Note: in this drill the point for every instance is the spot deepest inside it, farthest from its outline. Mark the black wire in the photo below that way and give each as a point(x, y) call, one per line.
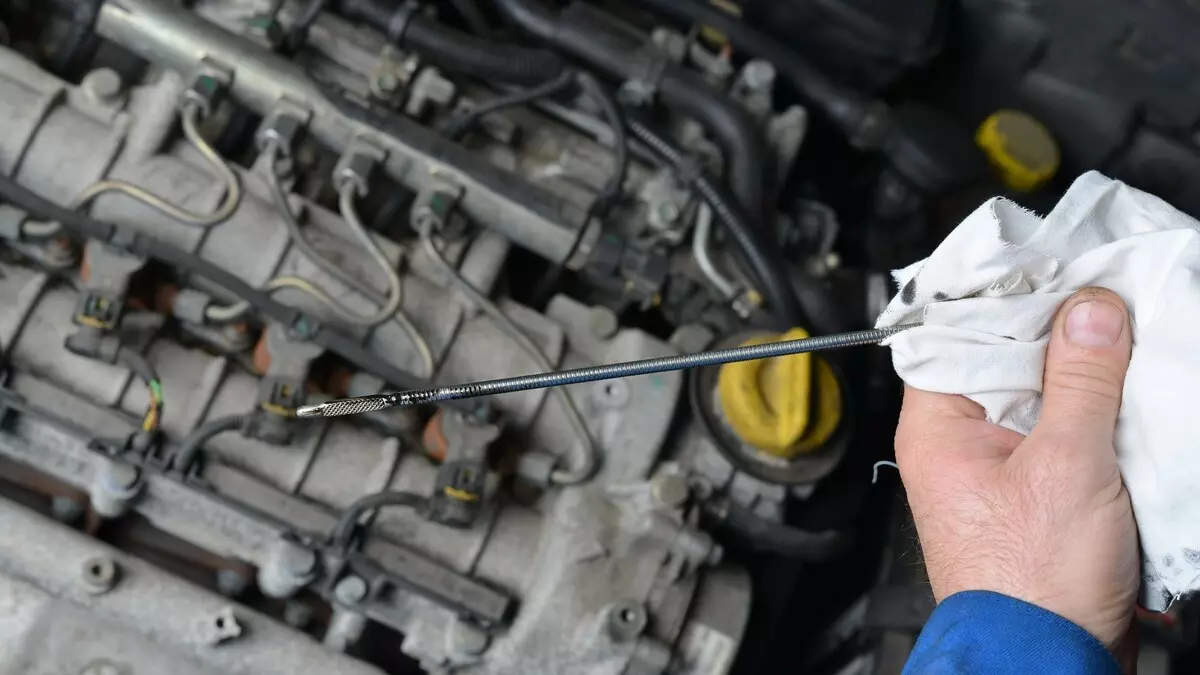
point(134, 361)
point(461, 123)
point(343, 530)
point(189, 449)
point(131, 359)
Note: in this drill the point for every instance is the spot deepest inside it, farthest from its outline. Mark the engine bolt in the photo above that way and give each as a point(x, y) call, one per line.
point(350, 590)
point(99, 574)
point(102, 85)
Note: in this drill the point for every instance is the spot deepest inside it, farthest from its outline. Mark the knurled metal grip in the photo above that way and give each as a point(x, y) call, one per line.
point(355, 406)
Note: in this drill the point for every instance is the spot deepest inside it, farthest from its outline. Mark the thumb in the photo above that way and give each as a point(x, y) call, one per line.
point(1085, 368)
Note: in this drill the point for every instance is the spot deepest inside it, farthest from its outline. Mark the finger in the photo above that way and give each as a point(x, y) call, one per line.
point(1086, 363)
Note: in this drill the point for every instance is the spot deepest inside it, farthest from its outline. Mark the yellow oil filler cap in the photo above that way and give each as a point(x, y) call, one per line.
point(786, 406)
point(1020, 147)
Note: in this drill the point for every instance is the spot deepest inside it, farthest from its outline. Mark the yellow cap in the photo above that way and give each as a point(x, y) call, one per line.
point(1020, 147)
point(785, 406)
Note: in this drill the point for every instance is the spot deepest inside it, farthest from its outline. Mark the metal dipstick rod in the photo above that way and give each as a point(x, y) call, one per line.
point(366, 404)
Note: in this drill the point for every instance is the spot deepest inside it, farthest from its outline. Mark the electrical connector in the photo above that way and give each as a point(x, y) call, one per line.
point(357, 165)
point(284, 127)
point(208, 87)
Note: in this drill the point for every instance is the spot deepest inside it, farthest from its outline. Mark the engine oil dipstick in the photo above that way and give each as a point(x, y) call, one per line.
point(366, 404)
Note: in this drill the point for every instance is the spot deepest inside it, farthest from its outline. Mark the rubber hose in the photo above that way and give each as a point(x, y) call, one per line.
point(757, 256)
point(590, 35)
point(859, 117)
point(344, 529)
point(767, 536)
point(455, 50)
point(190, 448)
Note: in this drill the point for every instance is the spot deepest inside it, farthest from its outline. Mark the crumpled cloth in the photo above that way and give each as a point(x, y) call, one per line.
point(988, 296)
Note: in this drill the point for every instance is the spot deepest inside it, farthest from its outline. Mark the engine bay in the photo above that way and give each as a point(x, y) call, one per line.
point(214, 212)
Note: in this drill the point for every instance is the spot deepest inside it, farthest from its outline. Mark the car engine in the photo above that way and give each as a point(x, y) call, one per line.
point(216, 211)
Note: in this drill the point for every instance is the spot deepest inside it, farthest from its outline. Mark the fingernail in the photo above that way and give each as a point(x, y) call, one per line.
point(1095, 324)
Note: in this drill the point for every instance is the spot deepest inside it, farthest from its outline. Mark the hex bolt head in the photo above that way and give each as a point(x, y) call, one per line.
point(627, 619)
point(671, 490)
point(759, 75)
point(102, 85)
point(98, 574)
point(350, 590)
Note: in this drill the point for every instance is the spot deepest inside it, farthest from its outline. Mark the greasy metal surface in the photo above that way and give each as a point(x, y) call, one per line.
point(565, 559)
point(148, 621)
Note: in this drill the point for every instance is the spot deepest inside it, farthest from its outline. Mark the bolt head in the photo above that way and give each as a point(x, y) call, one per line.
point(759, 74)
point(102, 85)
point(98, 574)
point(350, 590)
point(627, 619)
point(671, 490)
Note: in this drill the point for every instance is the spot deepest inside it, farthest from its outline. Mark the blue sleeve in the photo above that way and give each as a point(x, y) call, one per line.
point(985, 633)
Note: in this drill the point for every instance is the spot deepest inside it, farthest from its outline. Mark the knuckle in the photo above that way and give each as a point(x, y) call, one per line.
point(1087, 381)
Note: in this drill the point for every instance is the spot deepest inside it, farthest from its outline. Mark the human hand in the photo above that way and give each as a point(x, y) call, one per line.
point(1044, 518)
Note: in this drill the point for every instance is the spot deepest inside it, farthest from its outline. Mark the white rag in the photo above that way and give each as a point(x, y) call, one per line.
point(988, 295)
